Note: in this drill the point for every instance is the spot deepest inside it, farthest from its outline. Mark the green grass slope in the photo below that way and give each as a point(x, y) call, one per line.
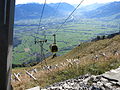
point(92, 57)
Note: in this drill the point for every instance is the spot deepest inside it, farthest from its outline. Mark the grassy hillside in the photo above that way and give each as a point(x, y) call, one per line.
point(91, 57)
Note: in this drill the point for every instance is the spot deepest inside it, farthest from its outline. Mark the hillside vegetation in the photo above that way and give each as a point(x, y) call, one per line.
point(94, 57)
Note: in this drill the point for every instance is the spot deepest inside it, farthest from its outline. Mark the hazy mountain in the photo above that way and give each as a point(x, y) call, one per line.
point(90, 7)
point(62, 7)
point(105, 11)
point(75, 5)
point(82, 10)
point(33, 10)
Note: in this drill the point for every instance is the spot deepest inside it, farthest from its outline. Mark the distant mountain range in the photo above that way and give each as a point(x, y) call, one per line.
point(105, 11)
point(33, 10)
point(90, 7)
point(63, 7)
point(82, 11)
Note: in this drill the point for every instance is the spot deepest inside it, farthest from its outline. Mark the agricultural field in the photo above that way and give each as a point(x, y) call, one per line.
point(70, 35)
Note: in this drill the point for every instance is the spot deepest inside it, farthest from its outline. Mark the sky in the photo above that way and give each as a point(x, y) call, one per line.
point(86, 2)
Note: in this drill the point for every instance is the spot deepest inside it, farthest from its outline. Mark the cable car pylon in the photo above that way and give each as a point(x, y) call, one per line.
point(41, 42)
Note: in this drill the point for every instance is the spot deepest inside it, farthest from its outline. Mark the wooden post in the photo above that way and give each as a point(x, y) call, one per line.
point(17, 77)
point(6, 36)
point(29, 74)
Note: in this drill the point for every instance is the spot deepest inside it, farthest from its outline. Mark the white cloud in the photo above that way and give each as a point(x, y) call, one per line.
point(68, 1)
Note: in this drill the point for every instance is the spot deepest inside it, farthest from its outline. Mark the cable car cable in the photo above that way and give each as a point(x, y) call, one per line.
point(56, 9)
point(68, 17)
point(53, 46)
point(42, 41)
point(41, 16)
point(42, 12)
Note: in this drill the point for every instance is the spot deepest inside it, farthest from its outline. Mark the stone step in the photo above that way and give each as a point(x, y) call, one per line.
point(113, 75)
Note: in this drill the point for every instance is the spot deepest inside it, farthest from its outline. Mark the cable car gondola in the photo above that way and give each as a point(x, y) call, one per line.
point(54, 47)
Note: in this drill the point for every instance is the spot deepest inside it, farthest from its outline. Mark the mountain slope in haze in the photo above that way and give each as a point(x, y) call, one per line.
point(105, 11)
point(33, 10)
point(63, 7)
point(90, 7)
point(82, 10)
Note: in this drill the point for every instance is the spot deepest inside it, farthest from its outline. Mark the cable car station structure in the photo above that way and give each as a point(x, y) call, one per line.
point(6, 42)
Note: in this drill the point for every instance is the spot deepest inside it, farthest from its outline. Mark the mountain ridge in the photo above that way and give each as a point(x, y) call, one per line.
point(33, 10)
point(105, 11)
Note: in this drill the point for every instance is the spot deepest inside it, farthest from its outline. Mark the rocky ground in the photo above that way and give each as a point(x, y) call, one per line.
point(107, 81)
point(86, 82)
